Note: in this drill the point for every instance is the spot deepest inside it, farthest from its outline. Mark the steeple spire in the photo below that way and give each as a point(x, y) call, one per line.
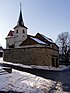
point(20, 20)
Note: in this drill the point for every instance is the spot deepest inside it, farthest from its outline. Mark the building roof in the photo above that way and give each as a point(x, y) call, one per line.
point(31, 40)
point(37, 40)
point(50, 40)
point(20, 20)
point(10, 33)
point(44, 38)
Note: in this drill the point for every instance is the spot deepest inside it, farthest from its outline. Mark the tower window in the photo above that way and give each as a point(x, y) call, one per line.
point(16, 31)
point(23, 31)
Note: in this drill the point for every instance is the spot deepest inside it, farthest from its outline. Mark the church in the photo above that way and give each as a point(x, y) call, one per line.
point(28, 49)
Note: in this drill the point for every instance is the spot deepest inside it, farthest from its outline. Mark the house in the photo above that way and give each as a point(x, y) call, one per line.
point(28, 49)
point(1, 51)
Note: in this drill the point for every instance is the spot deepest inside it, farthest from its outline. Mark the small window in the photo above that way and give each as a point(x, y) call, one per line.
point(17, 31)
point(23, 31)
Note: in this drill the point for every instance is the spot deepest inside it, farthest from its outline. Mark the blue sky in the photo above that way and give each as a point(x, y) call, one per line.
point(49, 17)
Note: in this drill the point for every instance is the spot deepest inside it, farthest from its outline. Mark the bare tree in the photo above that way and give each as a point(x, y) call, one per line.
point(63, 41)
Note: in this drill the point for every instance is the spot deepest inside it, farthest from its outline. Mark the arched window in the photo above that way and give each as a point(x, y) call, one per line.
point(16, 31)
point(23, 31)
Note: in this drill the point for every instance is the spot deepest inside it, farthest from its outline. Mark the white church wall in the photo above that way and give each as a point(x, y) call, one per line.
point(9, 41)
point(20, 35)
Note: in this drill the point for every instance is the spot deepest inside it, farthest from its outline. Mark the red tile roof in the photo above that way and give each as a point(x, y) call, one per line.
point(10, 33)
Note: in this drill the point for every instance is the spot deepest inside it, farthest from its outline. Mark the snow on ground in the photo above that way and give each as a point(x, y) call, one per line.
point(18, 81)
point(60, 68)
point(2, 71)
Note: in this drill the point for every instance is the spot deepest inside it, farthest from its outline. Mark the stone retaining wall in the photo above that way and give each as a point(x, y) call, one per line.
point(30, 56)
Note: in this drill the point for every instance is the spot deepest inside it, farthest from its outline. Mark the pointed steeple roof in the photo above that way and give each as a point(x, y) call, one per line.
point(20, 20)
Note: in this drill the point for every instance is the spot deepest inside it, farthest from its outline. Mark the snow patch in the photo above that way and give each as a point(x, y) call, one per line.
point(37, 40)
point(60, 68)
point(19, 81)
point(24, 82)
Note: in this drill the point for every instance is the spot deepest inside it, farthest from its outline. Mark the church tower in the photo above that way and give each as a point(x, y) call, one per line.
point(16, 37)
point(20, 30)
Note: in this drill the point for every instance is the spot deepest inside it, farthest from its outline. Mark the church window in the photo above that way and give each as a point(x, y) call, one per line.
point(17, 31)
point(23, 31)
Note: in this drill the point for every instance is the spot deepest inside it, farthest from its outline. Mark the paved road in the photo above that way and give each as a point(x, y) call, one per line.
point(59, 76)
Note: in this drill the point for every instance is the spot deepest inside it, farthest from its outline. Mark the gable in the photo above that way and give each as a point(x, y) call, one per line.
point(10, 33)
point(28, 41)
point(32, 41)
